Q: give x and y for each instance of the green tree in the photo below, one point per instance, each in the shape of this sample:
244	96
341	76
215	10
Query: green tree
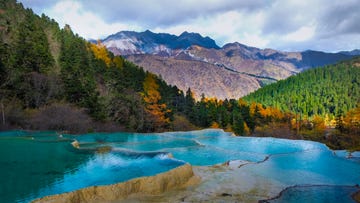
189	109
237	122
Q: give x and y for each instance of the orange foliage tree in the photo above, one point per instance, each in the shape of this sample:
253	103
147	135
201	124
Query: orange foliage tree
100	52
352	121
319	123
214	124
153	107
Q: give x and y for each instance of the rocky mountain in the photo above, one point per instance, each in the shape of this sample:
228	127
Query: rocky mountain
128	42
232	71
354	52
201	77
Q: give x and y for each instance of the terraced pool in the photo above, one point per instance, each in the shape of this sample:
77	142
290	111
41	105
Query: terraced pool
36	164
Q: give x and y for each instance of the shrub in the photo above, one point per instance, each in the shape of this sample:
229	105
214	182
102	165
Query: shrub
62	117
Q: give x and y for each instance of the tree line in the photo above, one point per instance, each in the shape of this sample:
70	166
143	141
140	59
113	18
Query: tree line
52	79
51	72
325	91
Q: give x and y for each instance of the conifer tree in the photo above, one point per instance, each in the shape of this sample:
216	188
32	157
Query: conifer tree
157	111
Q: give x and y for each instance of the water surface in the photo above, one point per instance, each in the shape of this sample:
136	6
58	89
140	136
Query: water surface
323	193
36	164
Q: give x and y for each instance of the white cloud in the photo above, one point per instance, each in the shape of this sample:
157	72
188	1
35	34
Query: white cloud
278	24
302	34
227	27
255	40
85	23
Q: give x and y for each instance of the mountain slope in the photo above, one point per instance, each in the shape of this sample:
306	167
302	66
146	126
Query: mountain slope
263	66
317	58
128	42
246	59
331	90
201	77
52	79
354	52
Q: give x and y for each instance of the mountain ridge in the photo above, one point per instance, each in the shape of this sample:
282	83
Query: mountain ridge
191	49
147	42
52	79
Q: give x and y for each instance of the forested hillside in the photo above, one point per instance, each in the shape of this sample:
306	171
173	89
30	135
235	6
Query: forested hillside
332	90
54	79
317	99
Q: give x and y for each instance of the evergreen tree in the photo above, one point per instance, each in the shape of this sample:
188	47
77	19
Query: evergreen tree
189	109
329	90
237	122
78	75
32	47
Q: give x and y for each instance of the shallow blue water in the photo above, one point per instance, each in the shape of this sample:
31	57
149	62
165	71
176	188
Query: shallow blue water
36	164
313	194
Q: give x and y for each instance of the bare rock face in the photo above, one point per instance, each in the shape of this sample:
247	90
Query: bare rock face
230	72
203	78
258	62
177	178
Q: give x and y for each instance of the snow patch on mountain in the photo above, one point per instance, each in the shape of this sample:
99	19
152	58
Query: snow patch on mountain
162	49
123	44
128	42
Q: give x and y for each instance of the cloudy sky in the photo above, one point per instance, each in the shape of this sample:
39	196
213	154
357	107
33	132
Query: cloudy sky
288	25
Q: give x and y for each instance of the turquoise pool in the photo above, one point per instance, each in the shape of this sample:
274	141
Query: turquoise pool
36	164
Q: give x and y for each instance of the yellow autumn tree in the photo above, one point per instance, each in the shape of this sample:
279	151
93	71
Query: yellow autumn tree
270	112
153	107
242	102
352	121
246	129
100	52
214	125
255	107
319	123
118	61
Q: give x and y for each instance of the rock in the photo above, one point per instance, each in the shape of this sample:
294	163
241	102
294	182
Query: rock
75	144
227	163
200	76
226	195
179	177
356	196
103	149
